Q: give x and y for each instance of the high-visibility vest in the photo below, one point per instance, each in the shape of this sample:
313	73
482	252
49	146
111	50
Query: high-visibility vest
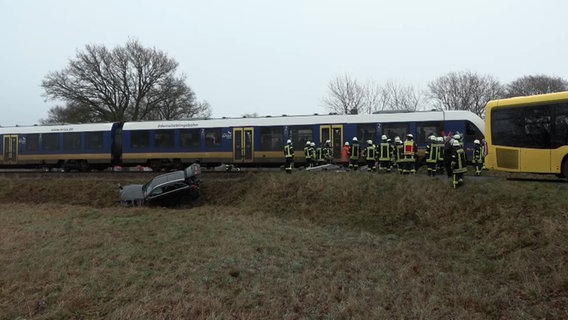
459	162
409	148
319	153
398	152
432	151
354	151
384	151
440	151
307	153
288	151
477	155
371	152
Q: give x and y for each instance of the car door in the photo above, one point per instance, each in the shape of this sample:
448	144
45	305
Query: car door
168	195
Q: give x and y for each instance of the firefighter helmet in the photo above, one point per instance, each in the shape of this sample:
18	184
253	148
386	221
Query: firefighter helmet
354	139
313	144
384	137
289	141
347	143
308	143
410	136
457	136
476	141
369	142
456	143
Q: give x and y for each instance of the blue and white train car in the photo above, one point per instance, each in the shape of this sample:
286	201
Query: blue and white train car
260	140
78	146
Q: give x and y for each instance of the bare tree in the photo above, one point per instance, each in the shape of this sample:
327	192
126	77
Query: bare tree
346	96
537	84
124	84
399	97
464	91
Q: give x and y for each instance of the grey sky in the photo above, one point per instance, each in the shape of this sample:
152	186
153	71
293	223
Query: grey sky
276	57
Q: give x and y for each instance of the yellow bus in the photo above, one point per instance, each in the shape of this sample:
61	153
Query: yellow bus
528	134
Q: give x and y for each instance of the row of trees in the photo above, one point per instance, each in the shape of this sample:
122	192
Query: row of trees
132	83
453	91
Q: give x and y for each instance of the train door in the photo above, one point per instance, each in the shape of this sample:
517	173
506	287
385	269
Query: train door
243	146
10	148
334	133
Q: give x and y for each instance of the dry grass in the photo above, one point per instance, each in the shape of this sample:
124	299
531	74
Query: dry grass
308	245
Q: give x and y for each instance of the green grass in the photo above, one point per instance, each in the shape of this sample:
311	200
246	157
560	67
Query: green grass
308	245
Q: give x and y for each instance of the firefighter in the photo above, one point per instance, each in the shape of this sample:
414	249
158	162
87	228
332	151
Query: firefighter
313	156
448	156
327	151
319	155
370	155
431	155
384	155
354	151
440	150
409	155
308	154
398	159
459	163
289	156
477	157
345	154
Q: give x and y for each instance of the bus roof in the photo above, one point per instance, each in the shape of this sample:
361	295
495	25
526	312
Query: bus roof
529	100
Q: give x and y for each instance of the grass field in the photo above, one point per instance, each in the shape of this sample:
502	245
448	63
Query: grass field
275	246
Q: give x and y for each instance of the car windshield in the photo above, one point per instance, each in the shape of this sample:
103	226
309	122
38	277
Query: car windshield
164	178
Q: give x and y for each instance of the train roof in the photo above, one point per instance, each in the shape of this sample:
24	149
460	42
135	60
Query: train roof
87	127
309	120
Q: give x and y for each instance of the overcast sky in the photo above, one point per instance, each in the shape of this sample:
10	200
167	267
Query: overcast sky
277	57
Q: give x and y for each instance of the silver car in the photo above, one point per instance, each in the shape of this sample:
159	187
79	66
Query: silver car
166	190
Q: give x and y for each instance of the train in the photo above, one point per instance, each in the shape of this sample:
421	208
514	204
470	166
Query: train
246	141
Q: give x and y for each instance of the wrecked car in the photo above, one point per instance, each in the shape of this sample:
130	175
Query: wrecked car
167	190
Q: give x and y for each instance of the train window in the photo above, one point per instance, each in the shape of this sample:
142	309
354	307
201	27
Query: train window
212	137
300	135
366	132
393	130
32	142
472	132
139	139
426	129
271	138
164	138
93	140
50	141
189	138
72	141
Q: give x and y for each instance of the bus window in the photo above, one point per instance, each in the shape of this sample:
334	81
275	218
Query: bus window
560	134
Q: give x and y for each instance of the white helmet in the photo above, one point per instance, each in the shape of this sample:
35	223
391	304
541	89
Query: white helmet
476	141
456	143
384	137
347	143
289	141
354	138
440	139
457	136
313	144
410	136
308	142
369	142
397	139
432	138
327	141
